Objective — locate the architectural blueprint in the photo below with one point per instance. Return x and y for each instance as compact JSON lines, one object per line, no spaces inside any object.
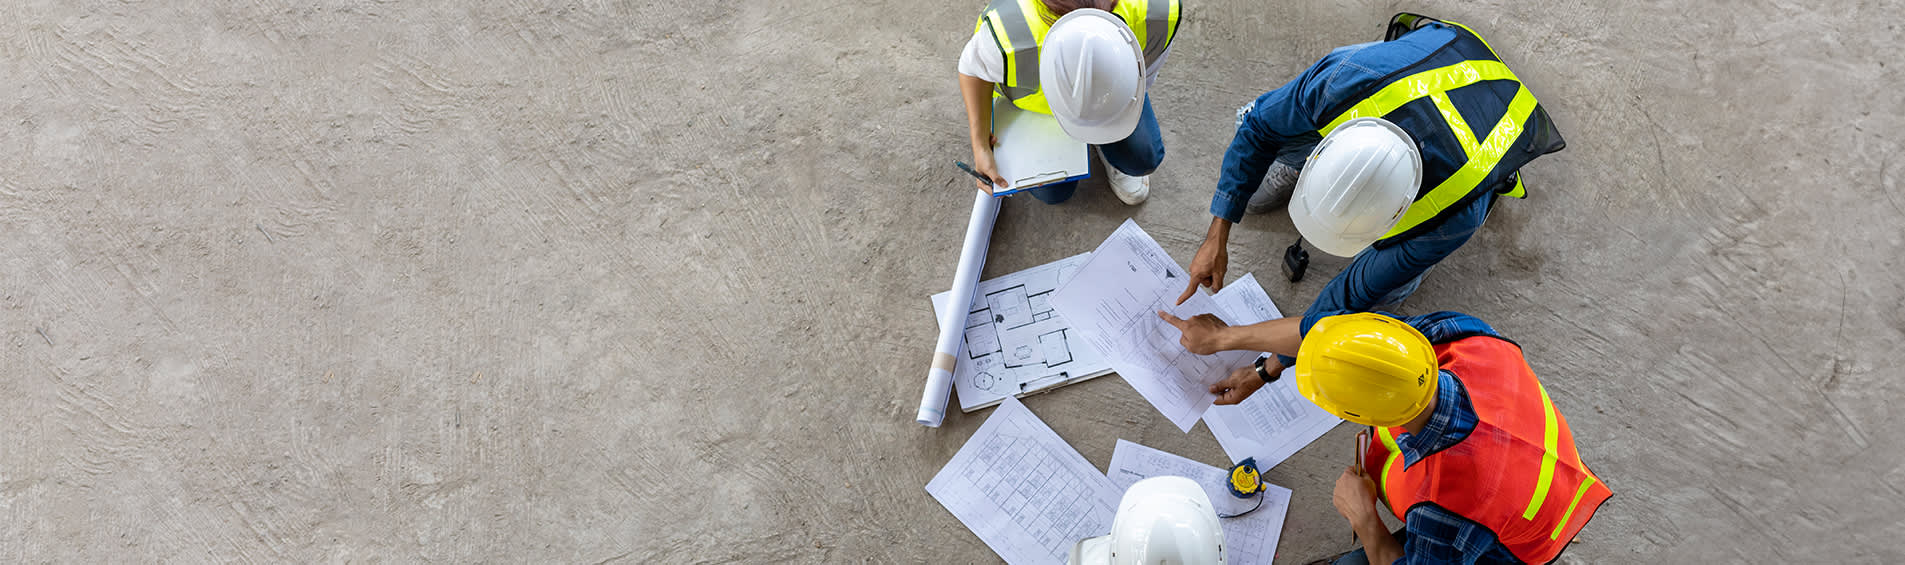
{"x":1016,"y":344}
{"x":1248,"y":539}
{"x":1023,"y":490}
{"x":1114,"y":302}
{"x":1275,"y":421}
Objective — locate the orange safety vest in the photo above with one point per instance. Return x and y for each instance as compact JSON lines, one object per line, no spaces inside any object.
{"x":1517,"y":474}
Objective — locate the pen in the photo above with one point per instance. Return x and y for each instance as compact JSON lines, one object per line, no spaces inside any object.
{"x":975,"y":174}
{"x":1362,"y":447}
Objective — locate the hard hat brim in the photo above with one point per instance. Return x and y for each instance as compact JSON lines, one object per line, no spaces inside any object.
{"x":1110,"y":132}
{"x":1313,"y":232}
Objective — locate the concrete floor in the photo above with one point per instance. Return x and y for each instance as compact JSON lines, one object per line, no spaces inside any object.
{"x":451,"y":281}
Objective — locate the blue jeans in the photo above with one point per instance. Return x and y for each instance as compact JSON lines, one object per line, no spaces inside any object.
{"x":1136,"y":155}
{"x":1377,"y":280}
{"x":1359,"y":557}
{"x":1381,"y":278}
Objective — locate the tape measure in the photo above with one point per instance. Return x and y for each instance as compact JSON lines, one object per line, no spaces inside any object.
{"x":1245,"y":480}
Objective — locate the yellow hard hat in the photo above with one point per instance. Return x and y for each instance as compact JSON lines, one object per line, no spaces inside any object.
{"x":1367,"y":368}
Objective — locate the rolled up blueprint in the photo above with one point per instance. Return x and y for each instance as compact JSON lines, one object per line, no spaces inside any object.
{"x":952,"y":329}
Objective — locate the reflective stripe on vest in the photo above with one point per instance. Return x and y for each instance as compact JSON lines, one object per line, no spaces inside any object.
{"x":1019,"y":27}
{"x":1497,"y":477}
{"x":1482,"y":155}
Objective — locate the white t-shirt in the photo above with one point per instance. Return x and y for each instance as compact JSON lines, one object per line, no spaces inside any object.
{"x":983,"y":60}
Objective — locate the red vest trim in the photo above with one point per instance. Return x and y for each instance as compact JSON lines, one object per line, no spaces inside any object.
{"x":1517,"y":474}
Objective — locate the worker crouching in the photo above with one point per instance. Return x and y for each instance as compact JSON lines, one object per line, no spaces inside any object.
{"x":1470,"y":451}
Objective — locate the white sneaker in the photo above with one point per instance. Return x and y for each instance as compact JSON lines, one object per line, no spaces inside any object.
{"x":1132,"y":190}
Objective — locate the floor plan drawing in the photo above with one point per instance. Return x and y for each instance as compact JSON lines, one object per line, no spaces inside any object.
{"x":1024,"y":491}
{"x":1016,"y":343}
{"x":1114,"y":299}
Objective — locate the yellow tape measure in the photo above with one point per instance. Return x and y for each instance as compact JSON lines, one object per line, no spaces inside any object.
{"x":1245,"y":480}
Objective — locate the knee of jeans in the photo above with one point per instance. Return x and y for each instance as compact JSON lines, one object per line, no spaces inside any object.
{"x":1143,"y":165}
{"x":1051,"y":196}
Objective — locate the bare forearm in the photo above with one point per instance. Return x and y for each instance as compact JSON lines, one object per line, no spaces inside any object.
{"x":1378,"y":544}
{"x":1277,"y":336}
{"x":978,"y":96}
{"x":1219,"y":231}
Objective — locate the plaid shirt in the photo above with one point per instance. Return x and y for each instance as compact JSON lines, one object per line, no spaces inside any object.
{"x":1432,"y":534}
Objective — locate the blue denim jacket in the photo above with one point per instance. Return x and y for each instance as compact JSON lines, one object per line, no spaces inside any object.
{"x":1287,"y":119}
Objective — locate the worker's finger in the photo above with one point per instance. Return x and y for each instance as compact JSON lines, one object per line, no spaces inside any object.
{"x":1189,"y":290}
{"x":1174,"y":321}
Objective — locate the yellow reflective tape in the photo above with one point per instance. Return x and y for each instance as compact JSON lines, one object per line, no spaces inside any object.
{"x":1550,"y":436}
{"x":1570,"y":513}
{"x":1519,"y":191}
{"x":1039,"y":20}
{"x":1390,"y":463}
{"x":1135,"y":11}
{"x":1035,"y":103}
{"x":1457,"y":125}
{"x":1422,"y":84}
{"x":1479,"y":164}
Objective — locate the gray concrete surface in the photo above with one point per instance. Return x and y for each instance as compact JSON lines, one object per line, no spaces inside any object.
{"x":499,"y":281}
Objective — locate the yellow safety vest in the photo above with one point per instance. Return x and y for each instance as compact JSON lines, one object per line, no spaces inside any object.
{"x":1019,"y":26}
{"x":1422,"y":99}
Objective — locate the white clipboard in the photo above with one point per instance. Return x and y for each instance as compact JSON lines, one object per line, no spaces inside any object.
{"x":1033,"y":150}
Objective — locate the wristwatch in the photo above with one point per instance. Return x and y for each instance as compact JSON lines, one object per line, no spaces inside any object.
{"x":1265,"y":374}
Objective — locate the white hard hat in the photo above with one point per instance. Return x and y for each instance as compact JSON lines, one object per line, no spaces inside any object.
{"x":1356,"y":185}
{"x":1162,"y":520}
{"x":1091,"y":69}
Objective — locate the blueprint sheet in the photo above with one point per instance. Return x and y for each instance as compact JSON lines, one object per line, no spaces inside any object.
{"x":1114,"y":300}
{"x":1250,"y":539}
{"x":1023,"y":490}
{"x":1275,"y":421}
{"x":1015,"y":343}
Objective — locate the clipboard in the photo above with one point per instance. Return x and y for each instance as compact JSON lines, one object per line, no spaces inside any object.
{"x":1033,"y":150}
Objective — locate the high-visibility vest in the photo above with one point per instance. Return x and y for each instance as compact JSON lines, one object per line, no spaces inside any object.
{"x":1423,"y":99}
{"x":1517,"y":473}
{"x":1019,"y":26}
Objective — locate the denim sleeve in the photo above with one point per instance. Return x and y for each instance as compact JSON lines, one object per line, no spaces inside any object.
{"x":1264,"y":127}
{"x":1439,"y":327}
{"x":1445,"y":326}
{"x":1288,"y":116}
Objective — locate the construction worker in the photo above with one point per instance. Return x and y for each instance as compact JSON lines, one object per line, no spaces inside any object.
{"x":1419,"y":135}
{"x":1161,"y":520}
{"x":1089,"y":63}
{"x":1471,"y":453}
